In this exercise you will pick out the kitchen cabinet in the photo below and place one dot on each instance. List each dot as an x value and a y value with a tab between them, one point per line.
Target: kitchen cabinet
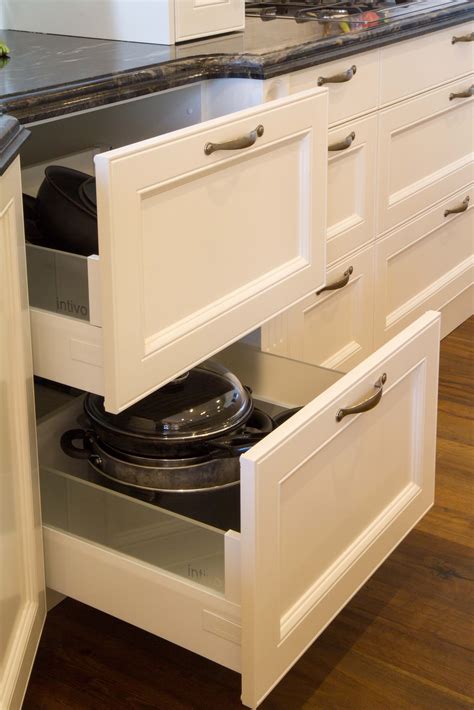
208	262
319	512
327	495
22	584
332	328
411	156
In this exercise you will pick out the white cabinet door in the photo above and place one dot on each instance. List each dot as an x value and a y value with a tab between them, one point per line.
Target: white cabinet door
22	597
351	187
332	328
325	501
200	244
426	148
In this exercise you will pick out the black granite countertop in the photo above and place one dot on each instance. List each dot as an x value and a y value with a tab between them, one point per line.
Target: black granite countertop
51	75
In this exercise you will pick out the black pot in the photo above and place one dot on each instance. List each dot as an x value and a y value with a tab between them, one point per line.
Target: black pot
67	217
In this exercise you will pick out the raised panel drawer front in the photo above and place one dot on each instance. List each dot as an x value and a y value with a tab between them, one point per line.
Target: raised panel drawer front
325	501
425	151
352	92
425	265
204	234
351	187
425	62
198	18
333	328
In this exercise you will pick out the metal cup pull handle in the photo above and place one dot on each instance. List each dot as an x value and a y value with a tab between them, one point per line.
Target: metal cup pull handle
367	404
344	144
463	38
466	94
338	284
338	78
456	210
236	144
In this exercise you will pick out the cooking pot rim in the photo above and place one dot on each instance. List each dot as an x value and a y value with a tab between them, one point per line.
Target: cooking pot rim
183	491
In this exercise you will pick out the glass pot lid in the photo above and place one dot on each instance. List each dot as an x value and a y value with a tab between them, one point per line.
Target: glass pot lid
204	403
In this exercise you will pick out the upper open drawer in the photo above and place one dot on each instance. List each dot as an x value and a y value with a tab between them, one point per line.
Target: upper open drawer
204	233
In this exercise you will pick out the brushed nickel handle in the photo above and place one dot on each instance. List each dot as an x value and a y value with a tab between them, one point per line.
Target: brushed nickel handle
463	38
367	404
344	144
236	144
462	207
338	78
338	284
466	94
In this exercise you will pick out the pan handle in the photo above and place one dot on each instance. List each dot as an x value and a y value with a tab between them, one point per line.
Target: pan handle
76	452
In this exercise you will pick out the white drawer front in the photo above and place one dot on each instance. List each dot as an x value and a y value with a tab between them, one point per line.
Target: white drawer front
350	98
425	152
424	265
333	329
197	249
324	502
435	58
198	18
351	187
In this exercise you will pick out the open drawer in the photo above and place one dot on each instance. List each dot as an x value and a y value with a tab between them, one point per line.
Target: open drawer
204	233
324	499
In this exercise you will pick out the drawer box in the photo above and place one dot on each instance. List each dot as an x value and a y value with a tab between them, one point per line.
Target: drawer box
349	99
153	21
426	150
436	58
191	258
427	264
323	502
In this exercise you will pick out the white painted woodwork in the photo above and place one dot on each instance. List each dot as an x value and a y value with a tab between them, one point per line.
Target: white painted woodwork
333	329
424	265
424	62
352	98
425	153
324	503
351	189
22	588
192	256
153	21
201	18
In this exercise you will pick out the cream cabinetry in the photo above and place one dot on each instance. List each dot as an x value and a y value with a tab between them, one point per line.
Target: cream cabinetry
189	259
332	328
254	600
22	586
406	159
425	264
319	512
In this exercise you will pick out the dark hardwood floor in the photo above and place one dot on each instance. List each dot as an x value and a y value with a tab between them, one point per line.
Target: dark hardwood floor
404	642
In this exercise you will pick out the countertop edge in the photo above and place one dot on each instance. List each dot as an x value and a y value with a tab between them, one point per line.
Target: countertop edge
61	100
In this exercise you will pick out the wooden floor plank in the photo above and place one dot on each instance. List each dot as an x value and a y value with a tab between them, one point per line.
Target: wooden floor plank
405	642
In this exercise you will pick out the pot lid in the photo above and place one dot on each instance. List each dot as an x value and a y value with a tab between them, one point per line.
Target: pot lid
207	402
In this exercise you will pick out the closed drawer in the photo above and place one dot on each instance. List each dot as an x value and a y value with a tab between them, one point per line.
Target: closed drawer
255	600
436	58
197	248
331	328
351	91
424	265
351	187
425	151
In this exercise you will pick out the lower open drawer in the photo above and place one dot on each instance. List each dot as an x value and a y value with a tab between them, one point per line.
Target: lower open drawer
324	498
